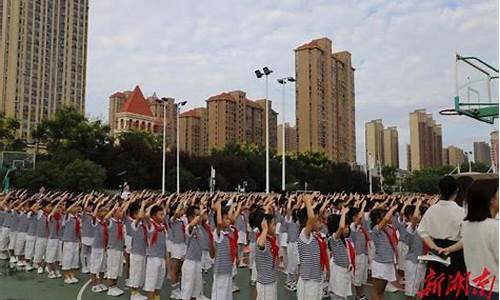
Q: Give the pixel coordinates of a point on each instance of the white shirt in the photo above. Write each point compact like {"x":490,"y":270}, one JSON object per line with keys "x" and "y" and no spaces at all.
{"x":442,"y":220}
{"x":480,"y":242}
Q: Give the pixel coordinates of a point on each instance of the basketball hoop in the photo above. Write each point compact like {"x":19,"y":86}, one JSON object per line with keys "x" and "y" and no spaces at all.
{"x":449,"y":112}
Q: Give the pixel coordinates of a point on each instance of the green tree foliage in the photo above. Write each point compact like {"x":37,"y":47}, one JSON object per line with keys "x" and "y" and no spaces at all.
{"x":426,"y":180}
{"x":8,"y":139}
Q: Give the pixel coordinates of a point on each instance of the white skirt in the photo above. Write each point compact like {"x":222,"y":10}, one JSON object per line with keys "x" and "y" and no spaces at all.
{"x":267,"y":291}
{"x":384,"y":271}
{"x":309,"y":290}
{"x":340,"y":280}
{"x":137,"y":271}
{"x":360,"y":276}
{"x":177,"y":250}
{"x":414,"y":277}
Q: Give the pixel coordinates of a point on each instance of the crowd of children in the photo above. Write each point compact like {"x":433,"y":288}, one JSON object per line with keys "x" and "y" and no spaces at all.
{"x":327,"y":245}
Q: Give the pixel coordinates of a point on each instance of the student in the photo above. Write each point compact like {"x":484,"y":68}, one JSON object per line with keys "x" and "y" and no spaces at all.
{"x":4,"y":229}
{"x":22,"y":229}
{"x":99,"y":245}
{"x":241,"y":225}
{"x":87,"y":233}
{"x":192,"y":279}
{"x":313,"y":254}
{"x":207,"y":242}
{"x":138,"y":244}
{"x":252,"y":237}
{"x":343,"y":255}
{"x":114,"y":255}
{"x":71,"y":237}
{"x":360,"y":237}
{"x":177,"y":249}
{"x":42,"y":234}
{"x":156,"y":253}
{"x":267,"y":258}
{"x":53,"y":253}
{"x":292,"y":228}
{"x":384,"y":238}
{"x":226,"y":251}
{"x":29,"y":248}
{"x":414,"y":270}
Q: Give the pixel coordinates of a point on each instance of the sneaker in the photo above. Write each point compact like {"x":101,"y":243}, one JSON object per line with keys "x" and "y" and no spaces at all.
{"x":253,"y":283}
{"x":235,"y":288}
{"x":176,"y":294}
{"x":243,"y":265}
{"x":13,"y":260}
{"x":20,"y":263}
{"x":85,"y":270}
{"x":103,"y":287}
{"x":202,"y":297}
{"x":52,"y":275}
{"x":58,"y":274}
{"x":325,"y":295}
{"x":29,"y":267}
{"x":362,"y":298}
{"x":138,"y":296}
{"x":115,"y":292}
{"x":390,"y":288}
{"x":47,"y":269}
{"x":96,"y":288}
{"x":74,"y":279}
{"x":40,"y":270}
{"x":68,"y":280}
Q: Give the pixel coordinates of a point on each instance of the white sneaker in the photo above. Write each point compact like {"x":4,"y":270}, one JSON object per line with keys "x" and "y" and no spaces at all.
{"x":58,"y":274}
{"x":40,"y":270}
{"x":138,"y":296}
{"x":96,"y":288}
{"x":52,"y":275}
{"x":176,"y":294}
{"x":47,"y":269}
{"x":13,"y":259}
{"x":115,"y":292}
{"x":202,"y":297}
{"x":103,"y":287}
{"x":85,"y":270}
{"x":21,"y":263}
{"x":68,"y":280}
{"x":235,"y":288}
{"x":29,"y":267}
{"x":390,"y":288}
{"x":74,"y":280}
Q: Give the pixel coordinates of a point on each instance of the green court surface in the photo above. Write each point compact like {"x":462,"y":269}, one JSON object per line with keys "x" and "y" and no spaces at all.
{"x":19,"y":285}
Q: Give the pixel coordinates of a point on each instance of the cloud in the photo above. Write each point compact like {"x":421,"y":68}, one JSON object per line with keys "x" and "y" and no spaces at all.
{"x":403,"y":52}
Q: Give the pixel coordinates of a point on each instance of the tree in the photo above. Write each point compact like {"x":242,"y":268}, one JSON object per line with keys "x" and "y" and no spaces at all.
{"x":389,"y":176}
{"x":426,"y":180}
{"x":8,"y":139}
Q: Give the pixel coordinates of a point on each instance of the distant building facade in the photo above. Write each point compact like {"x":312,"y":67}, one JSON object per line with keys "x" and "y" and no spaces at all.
{"x":381,"y":144}
{"x":482,"y":153}
{"x":426,"y":141}
{"x":290,"y":138}
{"x":454,"y":156}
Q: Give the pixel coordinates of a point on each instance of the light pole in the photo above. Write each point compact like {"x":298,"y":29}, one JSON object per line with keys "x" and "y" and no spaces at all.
{"x":370,"y":172}
{"x":283,"y":81}
{"x":164,"y":101}
{"x":266,"y":71}
{"x":178,"y":111}
{"x":469,"y":153}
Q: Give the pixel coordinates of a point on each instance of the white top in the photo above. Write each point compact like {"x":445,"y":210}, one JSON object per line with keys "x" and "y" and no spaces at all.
{"x":480,"y":241}
{"x":442,"y":220}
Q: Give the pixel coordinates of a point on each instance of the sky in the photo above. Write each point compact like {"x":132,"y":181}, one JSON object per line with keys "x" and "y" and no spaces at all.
{"x":403,"y":53}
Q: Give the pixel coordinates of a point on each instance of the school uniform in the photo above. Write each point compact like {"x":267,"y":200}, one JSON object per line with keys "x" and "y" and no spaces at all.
{"x":114,"y":255}
{"x":414,"y":270}
{"x":13,"y":230}
{"x":192,"y":280}
{"x":342,"y":263}
{"x":252,"y":237}
{"x":360,"y":237}
{"x":87,"y":237}
{"x":98,"y":249}
{"x":312,"y":251}
{"x":42,"y":234}
{"x":267,"y":262}
{"x":177,"y":238}
{"x":384,"y":262}
{"x":138,"y":244}
{"x":241,"y":224}
{"x":155,"y":258}
{"x":226,"y":249}
{"x":29,"y":247}
{"x":22,"y":229}
{"x":292,"y":250}
{"x":71,"y":242}
{"x":206,"y":241}
{"x":402,"y":248}
{"x":128,"y":233}
{"x":53,"y":251}
{"x":5,"y":223}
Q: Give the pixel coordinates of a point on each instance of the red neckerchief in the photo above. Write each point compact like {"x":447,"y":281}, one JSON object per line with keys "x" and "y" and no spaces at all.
{"x":274,"y":246}
{"x":208,"y":229}
{"x":323,"y":254}
{"x":365,"y":233}
{"x":77,"y":227}
{"x":157,"y":228}
{"x":119,"y":229}
{"x":393,"y":239}
{"x":352,"y":254}
{"x":104,"y":232}
{"x":46,"y":222}
{"x":57,"y":218}
{"x":233,"y":242}
{"x":145,"y":233}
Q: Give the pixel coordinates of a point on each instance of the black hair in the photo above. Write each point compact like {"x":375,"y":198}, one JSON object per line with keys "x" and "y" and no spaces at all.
{"x":173,"y":208}
{"x":376,"y":216}
{"x":224,"y":210}
{"x":353,"y":211}
{"x":133,"y":208}
{"x":479,"y":197}
{"x":261,"y":215}
{"x":302,"y":217}
{"x":409,"y":211}
{"x":191,"y":211}
{"x":44,"y":203}
{"x":333,"y":223}
{"x":447,"y":187}
{"x":463,"y":183}
{"x":154,"y":210}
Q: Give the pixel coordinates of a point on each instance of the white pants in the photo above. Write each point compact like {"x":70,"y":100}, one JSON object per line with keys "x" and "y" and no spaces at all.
{"x":20,"y":243}
{"x":114,"y":264}
{"x":70,"y":256}
{"x":97,"y":260}
{"x":192,"y":281}
{"x":267,"y":291}
{"x":206,"y":261}
{"x":414,"y":277}
{"x":384,"y":271}
{"x":253,"y":267}
{"x":155,"y":273}
{"x":222,"y":287}
{"x":4,"y":238}
{"x":242,"y":238}
{"x":12,"y":240}
{"x":360,"y":275}
{"x":309,"y":290}
{"x":340,"y":280}
{"x":53,"y":252}
{"x":29,"y":247}
{"x":292,"y":255}
{"x":402,"y":251}
{"x":40,"y":249}
{"x":137,"y":271}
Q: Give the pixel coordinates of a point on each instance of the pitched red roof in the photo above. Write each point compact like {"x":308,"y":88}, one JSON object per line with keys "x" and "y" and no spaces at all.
{"x":222,"y":96}
{"x":191,"y":113}
{"x":311,"y":45}
{"x":117,"y":94}
{"x":136,"y":104}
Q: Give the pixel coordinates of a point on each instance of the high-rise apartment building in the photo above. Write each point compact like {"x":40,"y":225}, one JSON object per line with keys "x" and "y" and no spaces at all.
{"x":453,"y":156}
{"x":290,"y":138}
{"x":494,"y":149}
{"x":43,"y":55}
{"x":325,"y":101}
{"x":426,"y":141}
{"x":234,"y":119}
{"x":391,"y":147}
{"x":374,"y":143}
{"x":482,"y":153}
{"x":193,"y":132}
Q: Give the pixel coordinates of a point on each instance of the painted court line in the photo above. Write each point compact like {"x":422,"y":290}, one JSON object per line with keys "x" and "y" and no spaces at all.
{"x":82,"y":289}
